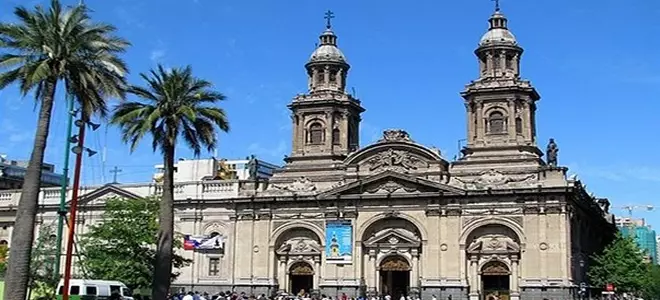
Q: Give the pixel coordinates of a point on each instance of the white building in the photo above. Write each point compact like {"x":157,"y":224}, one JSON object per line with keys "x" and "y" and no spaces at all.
{"x":212,"y":168}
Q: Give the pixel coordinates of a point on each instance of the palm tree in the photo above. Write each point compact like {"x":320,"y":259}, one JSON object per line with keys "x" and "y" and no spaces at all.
{"x":45,"y":47}
{"x":176,"y":105}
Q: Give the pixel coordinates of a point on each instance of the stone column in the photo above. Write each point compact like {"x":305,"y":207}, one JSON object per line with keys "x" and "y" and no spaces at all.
{"x":281,"y":274}
{"x":474,"y":282}
{"x":470,"y":123}
{"x":326,"y":76}
{"x":414,"y":274}
{"x":317,"y":274}
{"x":315,"y":76}
{"x":527,"y":121}
{"x":516,"y":65}
{"x":371,"y":272}
{"x":481,"y":121}
{"x":502,"y":62}
{"x":340,"y":79}
{"x":515,"y":293}
{"x":511,"y":122}
{"x":489,"y":64}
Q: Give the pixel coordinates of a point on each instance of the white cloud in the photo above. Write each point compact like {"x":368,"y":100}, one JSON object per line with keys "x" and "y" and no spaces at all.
{"x":157,"y":55}
{"x":20,"y":137}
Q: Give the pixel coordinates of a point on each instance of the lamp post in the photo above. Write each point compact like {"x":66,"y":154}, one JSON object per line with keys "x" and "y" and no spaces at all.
{"x":78,"y":150}
{"x":65,"y":181}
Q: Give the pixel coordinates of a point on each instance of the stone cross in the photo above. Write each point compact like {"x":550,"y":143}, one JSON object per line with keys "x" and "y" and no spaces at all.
{"x":114,"y":172}
{"x":329,"y":15}
{"x":497,"y":5}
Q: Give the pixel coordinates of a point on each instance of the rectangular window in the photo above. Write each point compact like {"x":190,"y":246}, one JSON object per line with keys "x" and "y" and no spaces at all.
{"x":214,"y":266}
{"x":90,"y":290}
{"x":75,"y":290}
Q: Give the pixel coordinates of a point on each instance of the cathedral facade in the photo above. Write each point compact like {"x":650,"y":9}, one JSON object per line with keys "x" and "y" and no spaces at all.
{"x":394,"y":217}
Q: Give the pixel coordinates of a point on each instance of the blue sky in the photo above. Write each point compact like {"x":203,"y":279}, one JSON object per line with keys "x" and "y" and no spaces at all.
{"x":594,"y":63}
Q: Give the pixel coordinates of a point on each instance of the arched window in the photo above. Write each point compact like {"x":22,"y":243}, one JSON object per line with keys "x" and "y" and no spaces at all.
{"x":496,"y":123}
{"x":316,"y":133}
{"x":519,"y":125}
{"x":335,"y":137}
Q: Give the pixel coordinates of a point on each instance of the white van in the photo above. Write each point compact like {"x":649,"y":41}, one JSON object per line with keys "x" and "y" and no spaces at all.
{"x":80,"y":288}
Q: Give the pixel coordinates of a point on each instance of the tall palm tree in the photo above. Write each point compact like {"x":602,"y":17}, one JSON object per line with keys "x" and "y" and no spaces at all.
{"x":46,"y":47}
{"x":175,"y":105}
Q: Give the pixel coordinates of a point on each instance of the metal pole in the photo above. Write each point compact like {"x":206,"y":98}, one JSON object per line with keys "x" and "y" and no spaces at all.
{"x":65,"y":181}
{"x":73,"y":208}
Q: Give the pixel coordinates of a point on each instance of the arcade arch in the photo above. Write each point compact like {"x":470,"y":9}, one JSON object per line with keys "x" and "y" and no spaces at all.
{"x":298,"y":253}
{"x":391,"y":248}
{"x":493,"y":256}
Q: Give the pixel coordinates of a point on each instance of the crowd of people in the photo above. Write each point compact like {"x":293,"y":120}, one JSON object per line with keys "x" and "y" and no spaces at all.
{"x":300,"y":296}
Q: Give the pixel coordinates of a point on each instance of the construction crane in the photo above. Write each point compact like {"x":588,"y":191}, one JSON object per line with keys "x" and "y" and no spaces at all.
{"x":631,"y":208}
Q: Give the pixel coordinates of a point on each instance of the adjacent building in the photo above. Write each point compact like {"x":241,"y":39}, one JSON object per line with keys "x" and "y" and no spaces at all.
{"x":394,"y":217}
{"x":643,"y":234}
{"x":12,"y":173}
{"x":217,"y":169}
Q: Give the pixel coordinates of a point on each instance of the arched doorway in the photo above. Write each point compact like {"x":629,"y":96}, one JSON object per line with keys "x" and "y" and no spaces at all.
{"x":392,"y":248}
{"x":495,"y":281}
{"x":298,"y":255}
{"x":493,"y":255}
{"x":394,"y":274}
{"x":301,"y":278}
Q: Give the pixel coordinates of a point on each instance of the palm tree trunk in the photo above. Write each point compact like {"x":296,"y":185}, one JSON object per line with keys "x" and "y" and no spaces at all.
{"x":18,"y":271}
{"x":163,"y":263}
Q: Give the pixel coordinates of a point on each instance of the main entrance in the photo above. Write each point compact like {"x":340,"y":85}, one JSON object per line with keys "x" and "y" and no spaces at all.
{"x":301,"y":278}
{"x":495,"y":281}
{"x":394,"y":277}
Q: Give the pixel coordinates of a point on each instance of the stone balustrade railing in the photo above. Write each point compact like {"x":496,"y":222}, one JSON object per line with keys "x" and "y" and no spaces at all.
{"x":212,"y":189}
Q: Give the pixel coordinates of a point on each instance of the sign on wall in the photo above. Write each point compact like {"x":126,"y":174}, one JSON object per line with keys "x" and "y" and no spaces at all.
{"x":338,"y":242}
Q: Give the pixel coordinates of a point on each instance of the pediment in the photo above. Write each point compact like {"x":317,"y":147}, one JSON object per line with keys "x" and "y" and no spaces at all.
{"x":299,"y":246}
{"x":107,"y":191}
{"x":390,"y":182}
{"x":393,"y":237}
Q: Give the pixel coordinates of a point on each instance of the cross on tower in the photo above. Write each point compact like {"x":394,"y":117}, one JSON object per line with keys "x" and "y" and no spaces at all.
{"x":329,"y":15}
{"x":114,"y":172}
{"x":497,"y":5}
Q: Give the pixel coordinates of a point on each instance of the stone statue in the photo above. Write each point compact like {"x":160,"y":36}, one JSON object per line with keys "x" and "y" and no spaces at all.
{"x":551,"y":153}
{"x":252,"y":168}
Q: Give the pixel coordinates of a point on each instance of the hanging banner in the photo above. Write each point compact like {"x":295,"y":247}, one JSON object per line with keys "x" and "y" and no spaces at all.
{"x":203,"y":242}
{"x":338,"y":242}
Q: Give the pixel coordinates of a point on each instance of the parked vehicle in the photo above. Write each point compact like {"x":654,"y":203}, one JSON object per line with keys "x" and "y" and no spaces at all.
{"x":85,"y":289}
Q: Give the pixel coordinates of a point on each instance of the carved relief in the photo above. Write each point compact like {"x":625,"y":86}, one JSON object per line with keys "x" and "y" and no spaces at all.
{"x":301,"y":185}
{"x":493,"y":243}
{"x":301,"y":268}
{"x":395,"y":135}
{"x":495,"y":268}
{"x":494,"y":180}
{"x":394,"y":160}
{"x":394,"y":263}
{"x":390,"y":186}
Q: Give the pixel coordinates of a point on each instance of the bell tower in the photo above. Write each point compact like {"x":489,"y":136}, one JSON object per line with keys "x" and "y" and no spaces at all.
{"x":326,"y":120}
{"x":500,"y":106}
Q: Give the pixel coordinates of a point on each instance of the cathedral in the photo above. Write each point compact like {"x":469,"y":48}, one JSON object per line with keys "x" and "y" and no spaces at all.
{"x":394,"y":217}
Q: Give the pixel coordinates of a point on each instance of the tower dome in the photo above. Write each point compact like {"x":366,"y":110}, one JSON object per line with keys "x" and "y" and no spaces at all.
{"x":327,"y":51}
{"x":497,"y":33}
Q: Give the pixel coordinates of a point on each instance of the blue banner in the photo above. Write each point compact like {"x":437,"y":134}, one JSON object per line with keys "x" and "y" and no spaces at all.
{"x":338,"y":242}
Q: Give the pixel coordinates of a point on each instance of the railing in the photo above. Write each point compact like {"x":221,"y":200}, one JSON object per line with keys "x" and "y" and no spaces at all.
{"x":215,"y":189}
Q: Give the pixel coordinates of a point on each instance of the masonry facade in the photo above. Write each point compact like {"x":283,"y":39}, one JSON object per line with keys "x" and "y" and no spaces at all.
{"x":395,"y":217}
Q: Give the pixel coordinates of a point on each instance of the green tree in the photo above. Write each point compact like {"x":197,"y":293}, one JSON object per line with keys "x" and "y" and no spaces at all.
{"x":121,"y":247}
{"x":42,"y":48}
{"x":622,"y":264}
{"x":4,"y":255}
{"x":42,"y":281}
{"x":652,"y":289}
{"x":175,"y":105}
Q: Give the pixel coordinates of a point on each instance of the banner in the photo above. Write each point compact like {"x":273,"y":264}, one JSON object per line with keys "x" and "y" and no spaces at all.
{"x":339,"y":242}
{"x":203,"y":242}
